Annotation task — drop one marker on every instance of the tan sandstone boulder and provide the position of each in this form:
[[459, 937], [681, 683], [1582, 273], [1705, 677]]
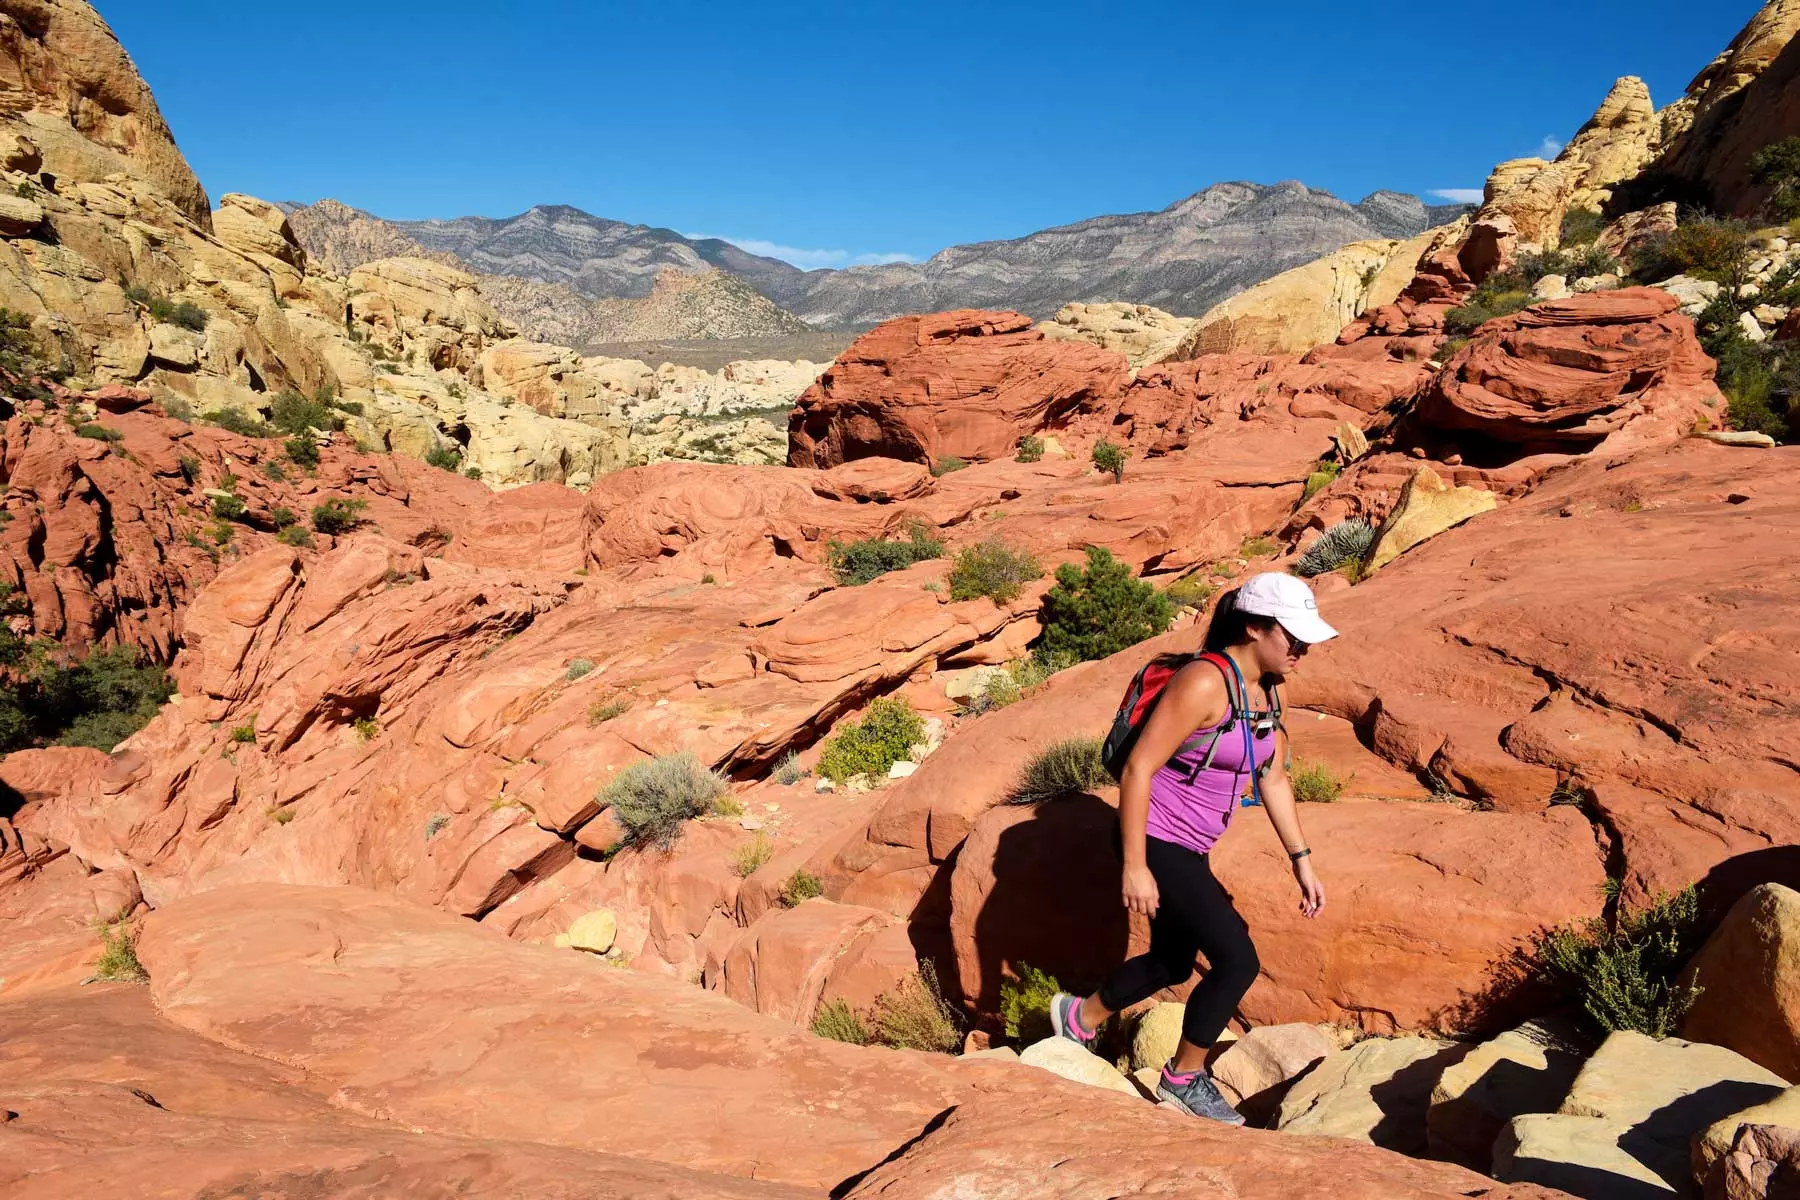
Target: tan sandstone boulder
[[1427, 507], [1255, 1071], [1749, 975], [1524, 1070], [1142, 333], [1062, 1057], [1716, 1142], [1376, 1091]]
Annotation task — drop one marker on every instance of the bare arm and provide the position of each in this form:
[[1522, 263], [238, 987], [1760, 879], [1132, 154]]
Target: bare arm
[[1284, 814], [1193, 699]]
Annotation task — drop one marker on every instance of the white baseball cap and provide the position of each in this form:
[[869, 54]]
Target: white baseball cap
[[1289, 601]]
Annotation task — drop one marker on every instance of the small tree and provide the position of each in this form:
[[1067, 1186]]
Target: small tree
[[1777, 167], [1031, 449], [992, 569], [1100, 610], [336, 516], [1110, 458], [886, 735]]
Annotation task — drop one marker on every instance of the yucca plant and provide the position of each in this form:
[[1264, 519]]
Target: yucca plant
[[1347, 541]]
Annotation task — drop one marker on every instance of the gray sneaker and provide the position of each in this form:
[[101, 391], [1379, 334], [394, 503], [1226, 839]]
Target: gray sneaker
[[1063, 1008], [1199, 1097]]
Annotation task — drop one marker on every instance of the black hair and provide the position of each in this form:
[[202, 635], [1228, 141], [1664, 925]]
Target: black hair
[[1230, 624]]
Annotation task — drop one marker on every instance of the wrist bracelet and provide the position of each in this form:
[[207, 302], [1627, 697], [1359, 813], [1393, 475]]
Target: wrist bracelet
[[1297, 855]]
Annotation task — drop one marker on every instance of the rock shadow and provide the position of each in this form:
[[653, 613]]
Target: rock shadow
[[1727, 881], [1055, 899], [1405, 1097]]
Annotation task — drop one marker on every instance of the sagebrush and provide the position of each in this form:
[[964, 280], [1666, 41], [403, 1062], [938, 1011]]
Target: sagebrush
[[886, 735], [1071, 765], [993, 569], [915, 1015], [856, 563], [839, 1022], [653, 798]]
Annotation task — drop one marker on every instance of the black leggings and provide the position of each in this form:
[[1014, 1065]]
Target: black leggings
[[1193, 914]]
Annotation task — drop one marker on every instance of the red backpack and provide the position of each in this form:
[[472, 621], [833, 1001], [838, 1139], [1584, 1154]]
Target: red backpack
[[1147, 688]]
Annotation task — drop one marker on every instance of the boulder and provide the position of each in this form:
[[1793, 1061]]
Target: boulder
[[1719, 1139], [595, 932], [1141, 333], [1582, 1156], [1763, 1164], [1062, 1057], [19, 216], [1693, 295], [1256, 1070], [1748, 973], [1157, 1036], [1427, 507], [1630, 233], [1524, 1070], [1376, 1091]]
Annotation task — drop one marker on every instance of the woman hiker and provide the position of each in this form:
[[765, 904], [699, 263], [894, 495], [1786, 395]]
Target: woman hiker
[[1177, 792]]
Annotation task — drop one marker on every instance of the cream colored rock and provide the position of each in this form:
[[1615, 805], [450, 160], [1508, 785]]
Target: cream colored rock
[[1427, 506], [594, 932], [1352, 442], [19, 216], [1748, 973], [174, 346], [1694, 294], [1735, 437], [1308, 305], [1142, 333], [1376, 1091], [1534, 195], [1521, 1071], [1062, 1057], [1618, 142], [1157, 1036], [257, 227], [1579, 1155], [1715, 1141], [1551, 287], [1256, 1069], [968, 683], [1054, 448], [512, 445]]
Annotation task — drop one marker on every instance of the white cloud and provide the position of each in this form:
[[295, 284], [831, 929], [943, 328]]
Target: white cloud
[[1549, 147], [1458, 195], [805, 259]]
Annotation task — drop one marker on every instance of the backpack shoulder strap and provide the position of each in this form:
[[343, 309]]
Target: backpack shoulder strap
[[1207, 741]]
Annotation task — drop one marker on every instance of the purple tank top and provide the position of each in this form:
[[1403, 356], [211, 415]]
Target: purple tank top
[[1192, 807]]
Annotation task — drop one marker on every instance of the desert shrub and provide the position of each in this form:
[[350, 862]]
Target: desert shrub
[[283, 516], [367, 728], [234, 421], [1321, 478], [244, 735], [1472, 314], [945, 466], [1627, 976], [1760, 380], [1109, 458], [295, 414], [1701, 247], [602, 711], [294, 535], [1025, 1005], [118, 962], [1258, 546], [336, 516], [99, 432], [915, 1015], [750, 856], [839, 1022], [1018, 680], [221, 530], [1449, 348], [471, 472], [1031, 449], [20, 353], [444, 458], [1347, 541], [190, 468], [1315, 783], [1777, 167], [788, 771], [886, 735], [274, 470], [1101, 609], [229, 507], [993, 569], [800, 886], [1072, 765], [53, 698], [436, 824], [184, 313], [302, 451], [1190, 591], [280, 815], [578, 668], [1580, 226], [653, 797], [856, 563]]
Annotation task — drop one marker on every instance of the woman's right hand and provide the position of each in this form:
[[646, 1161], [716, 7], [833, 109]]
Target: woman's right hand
[[1140, 891]]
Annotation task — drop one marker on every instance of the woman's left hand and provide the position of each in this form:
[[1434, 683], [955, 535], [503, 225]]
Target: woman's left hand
[[1312, 892]]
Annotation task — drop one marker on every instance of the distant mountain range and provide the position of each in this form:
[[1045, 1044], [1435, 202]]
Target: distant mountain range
[[1185, 259]]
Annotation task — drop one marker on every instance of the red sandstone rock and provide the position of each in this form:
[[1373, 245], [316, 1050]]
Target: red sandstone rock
[[964, 384]]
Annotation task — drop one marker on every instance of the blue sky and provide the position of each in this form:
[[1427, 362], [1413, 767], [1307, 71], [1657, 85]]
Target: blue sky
[[831, 133]]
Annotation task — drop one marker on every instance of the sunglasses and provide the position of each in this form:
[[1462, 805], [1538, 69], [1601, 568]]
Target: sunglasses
[[1294, 644]]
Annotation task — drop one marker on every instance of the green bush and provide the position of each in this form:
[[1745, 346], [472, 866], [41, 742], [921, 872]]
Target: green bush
[[367, 728], [472, 473], [945, 466], [294, 535], [1627, 976], [602, 711], [302, 450], [1777, 167], [1100, 610], [190, 468], [1580, 226], [1109, 458], [55, 699], [244, 735], [993, 569], [19, 350], [653, 797], [788, 771], [1315, 783], [1345, 542], [283, 516], [801, 886], [839, 1022], [748, 858], [886, 735], [915, 1015], [229, 507], [1448, 350], [1473, 313], [296, 415], [233, 421], [856, 563], [99, 432], [1072, 765], [118, 962], [1025, 1005], [1031, 449], [1321, 478], [1701, 247], [444, 458], [578, 668], [186, 313], [1759, 380], [337, 516]]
